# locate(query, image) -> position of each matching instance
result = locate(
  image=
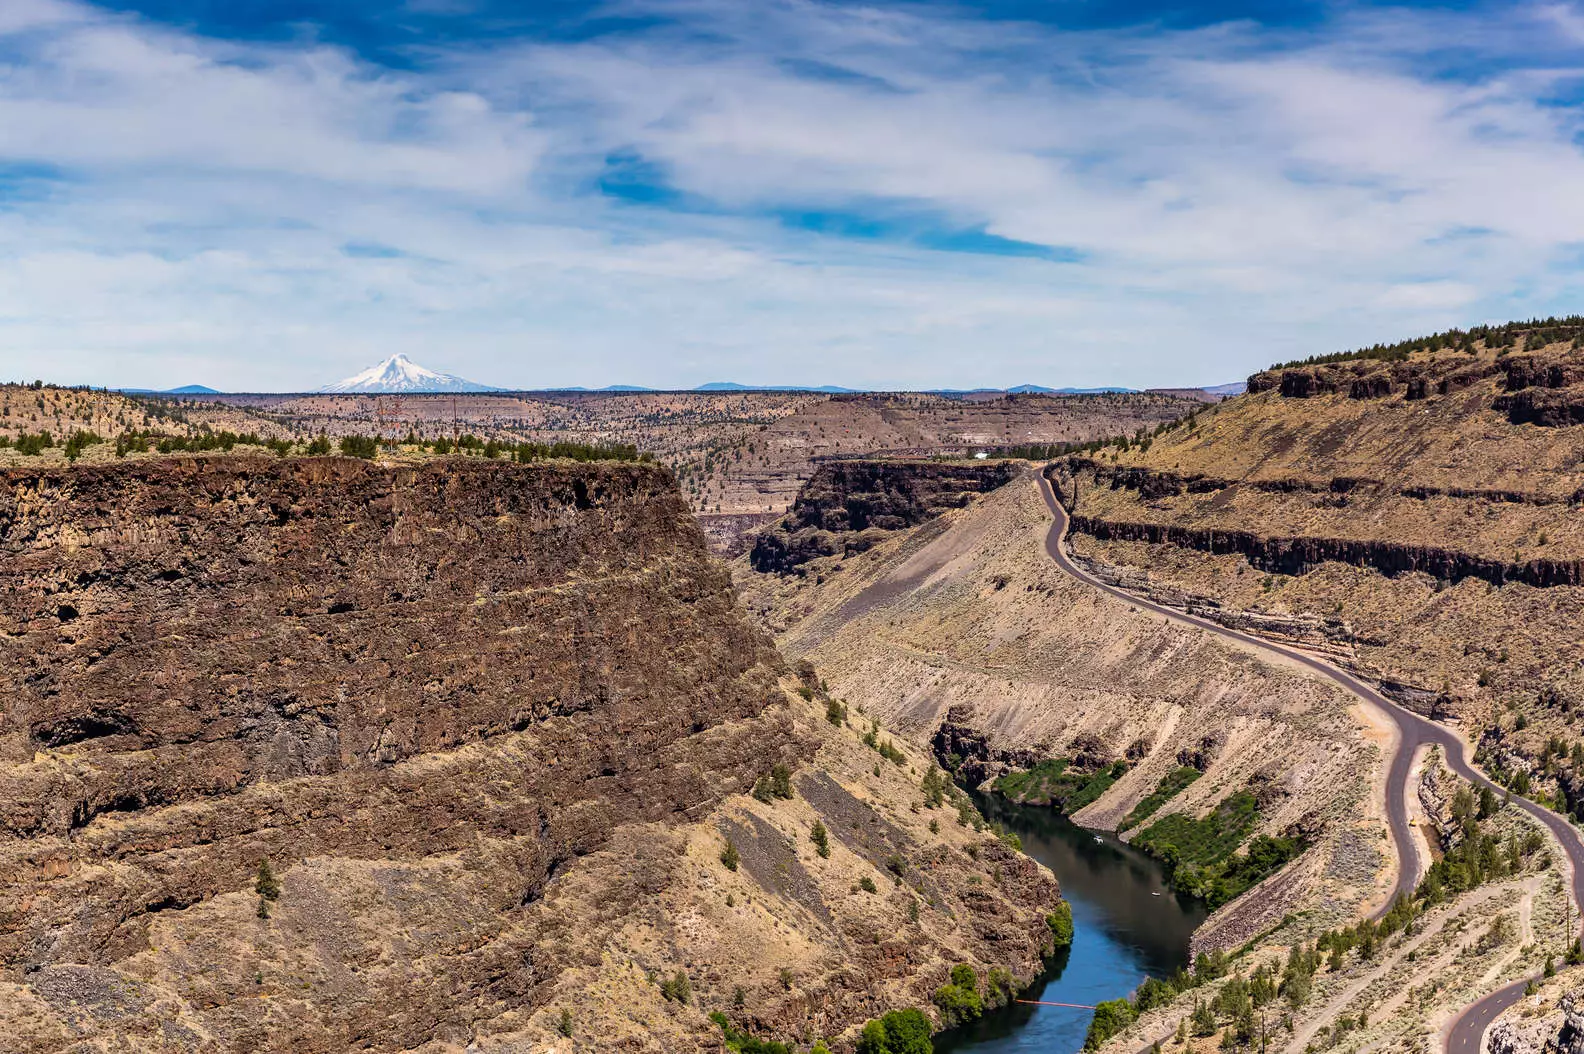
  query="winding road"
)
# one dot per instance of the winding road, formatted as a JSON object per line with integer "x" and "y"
{"x": 1466, "y": 1033}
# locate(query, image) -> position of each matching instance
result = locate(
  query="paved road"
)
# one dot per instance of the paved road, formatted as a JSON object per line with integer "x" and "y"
{"x": 1467, "y": 1032}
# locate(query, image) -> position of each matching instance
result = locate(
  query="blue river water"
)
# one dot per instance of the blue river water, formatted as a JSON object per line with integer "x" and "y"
{"x": 1127, "y": 925}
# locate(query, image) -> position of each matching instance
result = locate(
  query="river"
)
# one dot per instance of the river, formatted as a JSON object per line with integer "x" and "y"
{"x": 1122, "y": 932}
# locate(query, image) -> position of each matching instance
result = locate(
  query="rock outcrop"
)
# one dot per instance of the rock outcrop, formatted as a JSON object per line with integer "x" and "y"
{"x": 846, "y": 506}
{"x": 1299, "y": 555}
{"x": 1559, "y": 1031}
{"x": 1544, "y": 389}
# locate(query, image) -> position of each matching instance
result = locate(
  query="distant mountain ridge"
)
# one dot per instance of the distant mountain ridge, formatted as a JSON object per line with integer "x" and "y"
{"x": 398, "y": 375}
{"x": 733, "y": 386}
{"x": 186, "y": 389}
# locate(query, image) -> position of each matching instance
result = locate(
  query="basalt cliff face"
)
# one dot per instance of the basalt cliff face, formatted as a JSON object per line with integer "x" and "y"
{"x": 847, "y": 506}
{"x": 490, "y": 724}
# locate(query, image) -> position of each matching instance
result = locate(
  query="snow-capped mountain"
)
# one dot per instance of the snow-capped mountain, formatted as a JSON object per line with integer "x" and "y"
{"x": 400, "y": 374}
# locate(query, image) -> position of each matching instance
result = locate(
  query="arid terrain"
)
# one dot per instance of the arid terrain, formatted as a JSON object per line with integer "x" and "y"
{"x": 315, "y": 754}
{"x": 1420, "y": 515}
{"x": 1409, "y": 516}
{"x": 739, "y": 457}
{"x": 525, "y": 760}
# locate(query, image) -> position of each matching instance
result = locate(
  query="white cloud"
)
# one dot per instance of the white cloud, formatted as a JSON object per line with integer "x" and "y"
{"x": 1240, "y": 195}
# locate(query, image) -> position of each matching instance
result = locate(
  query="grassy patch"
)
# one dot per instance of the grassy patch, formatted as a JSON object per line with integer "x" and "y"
{"x": 1020, "y": 786}
{"x": 1201, "y": 855}
{"x": 1185, "y": 840}
{"x": 1050, "y": 783}
{"x": 1172, "y": 784}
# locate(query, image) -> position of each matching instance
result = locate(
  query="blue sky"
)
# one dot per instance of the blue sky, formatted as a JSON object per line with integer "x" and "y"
{"x": 272, "y": 194}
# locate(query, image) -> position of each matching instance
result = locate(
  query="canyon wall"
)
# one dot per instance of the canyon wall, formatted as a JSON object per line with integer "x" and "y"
{"x": 474, "y": 714}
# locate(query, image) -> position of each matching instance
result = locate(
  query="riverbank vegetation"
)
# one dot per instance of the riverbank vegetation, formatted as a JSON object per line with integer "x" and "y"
{"x": 1053, "y": 782}
{"x": 1256, "y": 997}
{"x": 1172, "y": 784}
{"x": 1200, "y": 855}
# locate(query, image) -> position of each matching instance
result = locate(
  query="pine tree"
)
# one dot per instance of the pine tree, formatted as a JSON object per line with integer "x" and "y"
{"x": 1204, "y": 1022}
{"x": 729, "y": 856}
{"x": 267, "y": 886}
{"x": 821, "y": 839}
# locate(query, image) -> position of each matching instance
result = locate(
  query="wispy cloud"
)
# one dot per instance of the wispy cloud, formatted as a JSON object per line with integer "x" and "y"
{"x": 778, "y": 191}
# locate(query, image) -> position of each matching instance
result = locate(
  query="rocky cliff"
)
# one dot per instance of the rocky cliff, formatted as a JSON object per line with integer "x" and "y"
{"x": 846, "y": 506}
{"x": 1547, "y": 1029}
{"x": 472, "y": 713}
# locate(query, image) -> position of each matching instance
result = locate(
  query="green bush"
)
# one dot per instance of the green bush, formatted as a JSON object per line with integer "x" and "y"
{"x": 898, "y": 1032}
{"x": 744, "y": 1043}
{"x": 778, "y": 784}
{"x": 729, "y": 855}
{"x": 1060, "y": 922}
{"x": 677, "y": 989}
{"x": 33, "y": 445}
{"x": 79, "y": 441}
{"x": 359, "y": 446}
{"x": 821, "y": 838}
{"x": 267, "y": 885}
{"x": 1206, "y": 841}
{"x": 1110, "y": 1017}
{"x": 959, "y": 1001}
{"x": 1050, "y": 782}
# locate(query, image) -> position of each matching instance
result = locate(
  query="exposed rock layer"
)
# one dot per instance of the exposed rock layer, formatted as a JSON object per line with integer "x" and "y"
{"x": 847, "y": 505}
{"x": 211, "y": 662}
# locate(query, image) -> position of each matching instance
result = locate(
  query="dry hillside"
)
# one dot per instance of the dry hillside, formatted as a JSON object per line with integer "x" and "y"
{"x": 1420, "y": 513}
{"x": 973, "y": 641}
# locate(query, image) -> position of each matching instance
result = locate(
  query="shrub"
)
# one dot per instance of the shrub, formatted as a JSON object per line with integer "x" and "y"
{"x": 1172, "y": 784}
{"x": 677, "y": 989}
{"x": 267, "y": 885}
{"x": 778, "y": 784}
{"x": 821, "y": 838}
{"x": 1110, "y": 1017}
{"x": 79, "y": 441}
{"x": 959, "y": 1001}
{"x": 898, "y": 1032}
{"x": 729, "y": 855}
{"x": 867, "y": 884}
{"x": 1061, "y": 925}
{"x": 835, "y": 712}
{"x": 744, "y": 1043}
{"x": 359, "y": 446}
{"x": 33, "y": 445}
{"x": 564, "y": 1026}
